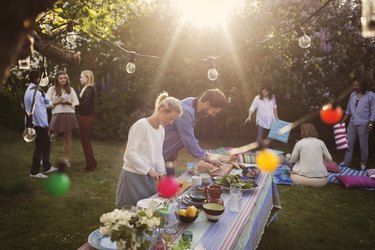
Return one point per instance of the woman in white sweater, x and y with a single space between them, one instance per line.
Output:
308 155
143 158
64 120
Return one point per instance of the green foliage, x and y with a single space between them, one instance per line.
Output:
303 79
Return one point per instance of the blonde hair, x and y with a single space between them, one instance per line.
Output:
168 103
308 130
90 76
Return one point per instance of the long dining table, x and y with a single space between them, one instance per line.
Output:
234 230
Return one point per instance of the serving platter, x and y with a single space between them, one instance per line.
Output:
216 179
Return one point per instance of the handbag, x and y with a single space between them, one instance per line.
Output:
341 140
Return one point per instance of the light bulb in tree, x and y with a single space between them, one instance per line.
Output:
44 80
212 73
71 37
24 63
368 18
130 67
304 41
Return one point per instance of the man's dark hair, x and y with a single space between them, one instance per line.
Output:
364 83
34 76
215 97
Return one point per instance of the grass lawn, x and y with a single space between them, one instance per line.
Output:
327 218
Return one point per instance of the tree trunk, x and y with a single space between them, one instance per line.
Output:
55 52
17 18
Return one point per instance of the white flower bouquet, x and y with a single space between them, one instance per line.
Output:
129 229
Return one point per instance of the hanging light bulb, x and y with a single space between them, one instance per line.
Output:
212 73
44 79
71 36
130 67
29 134
24 63
304 41
368 18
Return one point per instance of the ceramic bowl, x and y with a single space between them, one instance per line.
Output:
251 172
187 219
213 211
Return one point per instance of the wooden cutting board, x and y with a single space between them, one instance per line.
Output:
225 169
183 186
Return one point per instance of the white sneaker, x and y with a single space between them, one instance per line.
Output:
52 169
39 175
363 166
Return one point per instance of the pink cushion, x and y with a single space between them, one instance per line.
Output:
332 166
371 172
356 181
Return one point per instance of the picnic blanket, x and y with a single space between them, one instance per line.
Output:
281 176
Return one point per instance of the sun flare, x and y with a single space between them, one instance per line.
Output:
205 12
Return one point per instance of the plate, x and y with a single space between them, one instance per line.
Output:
145 203
100 241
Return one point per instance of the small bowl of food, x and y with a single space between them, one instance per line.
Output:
187 215
213 211
197 196
251 172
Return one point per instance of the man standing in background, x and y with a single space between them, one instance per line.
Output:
40 124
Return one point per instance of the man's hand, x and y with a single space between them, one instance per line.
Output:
153 174
369 128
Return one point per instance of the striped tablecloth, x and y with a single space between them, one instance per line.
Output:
241 230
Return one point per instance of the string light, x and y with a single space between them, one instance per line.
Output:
71 36
304 41
130 67
44 79
24 63
368 18
212 73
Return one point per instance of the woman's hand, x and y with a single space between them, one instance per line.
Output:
153 174
248 119
66 103
56 103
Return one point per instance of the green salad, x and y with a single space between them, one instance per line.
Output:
235 180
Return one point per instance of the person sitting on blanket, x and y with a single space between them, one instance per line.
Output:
181 134
308 155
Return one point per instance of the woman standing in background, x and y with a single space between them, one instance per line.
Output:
265 104
87 98
64 120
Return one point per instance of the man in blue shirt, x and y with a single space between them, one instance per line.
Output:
40 123
361 110
181 133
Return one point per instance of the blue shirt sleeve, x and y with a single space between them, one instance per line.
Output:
185 128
